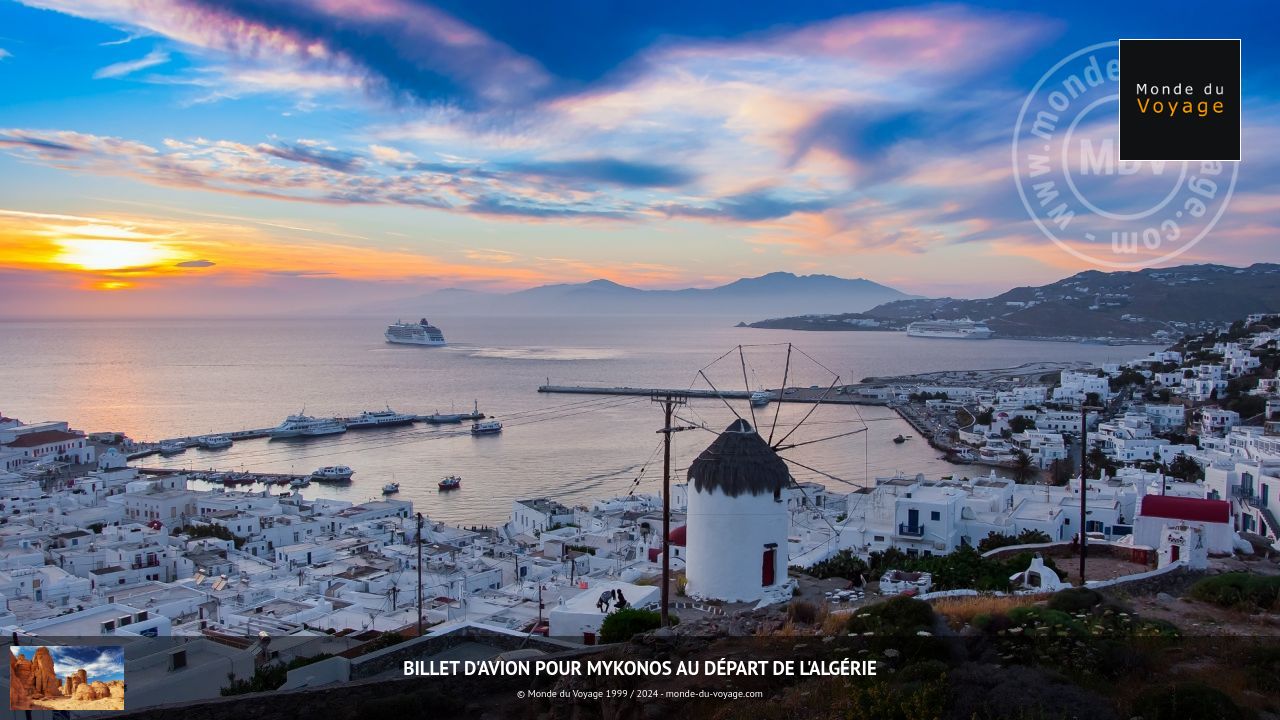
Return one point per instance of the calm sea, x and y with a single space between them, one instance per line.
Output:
157 379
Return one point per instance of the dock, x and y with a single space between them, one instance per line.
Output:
840 394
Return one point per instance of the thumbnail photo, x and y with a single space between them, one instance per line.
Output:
48 677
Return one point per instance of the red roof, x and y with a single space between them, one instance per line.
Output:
677 536
43 437
1182 508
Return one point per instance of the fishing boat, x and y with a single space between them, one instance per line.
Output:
299 482
438 418
171 447
453 482
486 427
333 473
391 488
761 397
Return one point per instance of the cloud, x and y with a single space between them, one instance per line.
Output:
128 67
309 151
5 54
196 264
608 170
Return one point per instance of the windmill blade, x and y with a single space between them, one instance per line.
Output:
780 448
746 384
721 395
820 472
786 369
811 411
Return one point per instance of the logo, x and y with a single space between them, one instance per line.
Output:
1107 211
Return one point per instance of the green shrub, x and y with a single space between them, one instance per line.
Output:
621 625
804 613
843 564
898 616
1186 701
995 540
1073 600
1239 590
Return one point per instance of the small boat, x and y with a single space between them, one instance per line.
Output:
299 482
391 488
215 442
899 440
171 448
437 418
333 473
486 427
453 482
761 397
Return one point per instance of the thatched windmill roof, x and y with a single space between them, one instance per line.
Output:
739 462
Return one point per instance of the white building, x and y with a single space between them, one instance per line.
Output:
737 522
1157 513
579 618
1215 421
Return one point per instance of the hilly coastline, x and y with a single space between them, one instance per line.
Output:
778 292
1150 305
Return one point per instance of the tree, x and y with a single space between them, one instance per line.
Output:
1023 467
621 625
1092 398
1059 472
1022 423
986 416
1185 468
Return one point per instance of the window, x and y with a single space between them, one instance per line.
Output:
935 515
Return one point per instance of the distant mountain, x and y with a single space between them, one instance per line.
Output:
1152 304
775 293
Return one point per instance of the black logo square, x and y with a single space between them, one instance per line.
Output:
1179 100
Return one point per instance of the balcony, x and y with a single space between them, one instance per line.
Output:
906 530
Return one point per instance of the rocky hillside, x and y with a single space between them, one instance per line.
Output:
1153 304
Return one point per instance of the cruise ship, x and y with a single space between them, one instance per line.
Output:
419 333
955 329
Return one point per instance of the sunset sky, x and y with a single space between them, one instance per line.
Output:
240 156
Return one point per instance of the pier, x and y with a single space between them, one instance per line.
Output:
840 394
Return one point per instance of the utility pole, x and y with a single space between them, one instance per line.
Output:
419 540
669 403
1084 479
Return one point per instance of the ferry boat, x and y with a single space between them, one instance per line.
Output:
761 397
333 473
215 442
391 488
379 418
486 427
330 426
419 333
453 482
955 329
301 425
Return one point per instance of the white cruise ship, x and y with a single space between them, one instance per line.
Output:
955 329
306 426
419 333
379 418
